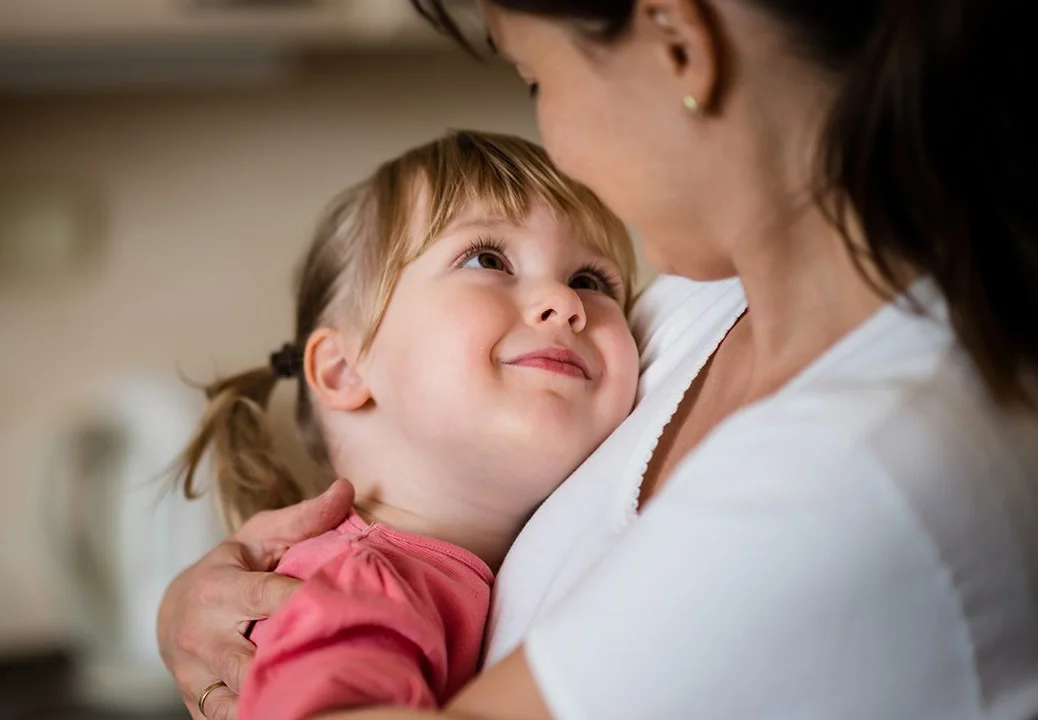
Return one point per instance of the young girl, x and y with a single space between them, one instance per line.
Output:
461 346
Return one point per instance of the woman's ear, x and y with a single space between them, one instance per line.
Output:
690 48
330 367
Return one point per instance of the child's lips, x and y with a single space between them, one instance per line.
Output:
558 360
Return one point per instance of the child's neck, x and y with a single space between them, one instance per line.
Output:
486 534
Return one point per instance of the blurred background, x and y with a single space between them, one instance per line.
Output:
162 163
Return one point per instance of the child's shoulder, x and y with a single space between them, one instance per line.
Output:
308 556
365 554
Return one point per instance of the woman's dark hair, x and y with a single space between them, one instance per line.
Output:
929 143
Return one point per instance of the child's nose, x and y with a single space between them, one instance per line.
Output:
560 305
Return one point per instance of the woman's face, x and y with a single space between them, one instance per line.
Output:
611 116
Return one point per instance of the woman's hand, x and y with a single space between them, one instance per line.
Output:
207 607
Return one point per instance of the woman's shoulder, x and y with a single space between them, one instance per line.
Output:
937 446
899 400
899 393
840 575
859 543
837 580
670 300
891 457
673 316
875 564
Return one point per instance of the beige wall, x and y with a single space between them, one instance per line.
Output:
209 197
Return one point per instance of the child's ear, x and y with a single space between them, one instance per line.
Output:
329 363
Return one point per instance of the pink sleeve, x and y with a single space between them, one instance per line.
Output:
355 634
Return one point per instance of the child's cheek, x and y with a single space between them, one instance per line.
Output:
474 323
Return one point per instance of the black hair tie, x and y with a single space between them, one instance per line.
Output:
286 362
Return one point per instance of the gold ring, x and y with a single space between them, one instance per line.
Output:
205 694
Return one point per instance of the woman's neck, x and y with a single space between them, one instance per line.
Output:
804 293
804 289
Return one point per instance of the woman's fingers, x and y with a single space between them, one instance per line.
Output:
269 534
253 595
231 664
235 585
198 619
258 595
220 704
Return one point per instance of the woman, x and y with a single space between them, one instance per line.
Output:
823 504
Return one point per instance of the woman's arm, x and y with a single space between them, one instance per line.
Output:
208 606
506 691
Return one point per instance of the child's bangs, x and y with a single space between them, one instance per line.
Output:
505 176
432 186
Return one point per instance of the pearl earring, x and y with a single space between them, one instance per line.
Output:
692 105
660 18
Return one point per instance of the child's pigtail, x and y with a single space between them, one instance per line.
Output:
236 435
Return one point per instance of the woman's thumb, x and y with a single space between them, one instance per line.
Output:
275 531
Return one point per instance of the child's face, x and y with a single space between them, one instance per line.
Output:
505 350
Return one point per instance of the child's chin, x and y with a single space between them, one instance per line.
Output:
550 415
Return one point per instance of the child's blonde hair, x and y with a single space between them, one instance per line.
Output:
362 245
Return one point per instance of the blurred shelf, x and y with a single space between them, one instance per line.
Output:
50 45
281 22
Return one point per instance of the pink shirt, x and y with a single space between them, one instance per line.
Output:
384 617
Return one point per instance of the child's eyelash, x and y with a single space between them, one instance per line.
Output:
481 244
608 279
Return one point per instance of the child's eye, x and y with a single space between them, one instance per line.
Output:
585 281
487 260
485 254
595 280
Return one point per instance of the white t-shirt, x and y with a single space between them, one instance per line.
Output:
859 545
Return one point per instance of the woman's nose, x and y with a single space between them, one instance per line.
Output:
559 305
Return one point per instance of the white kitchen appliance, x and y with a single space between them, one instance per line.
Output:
121 533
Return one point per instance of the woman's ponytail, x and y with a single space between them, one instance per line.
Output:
931 145
235 434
